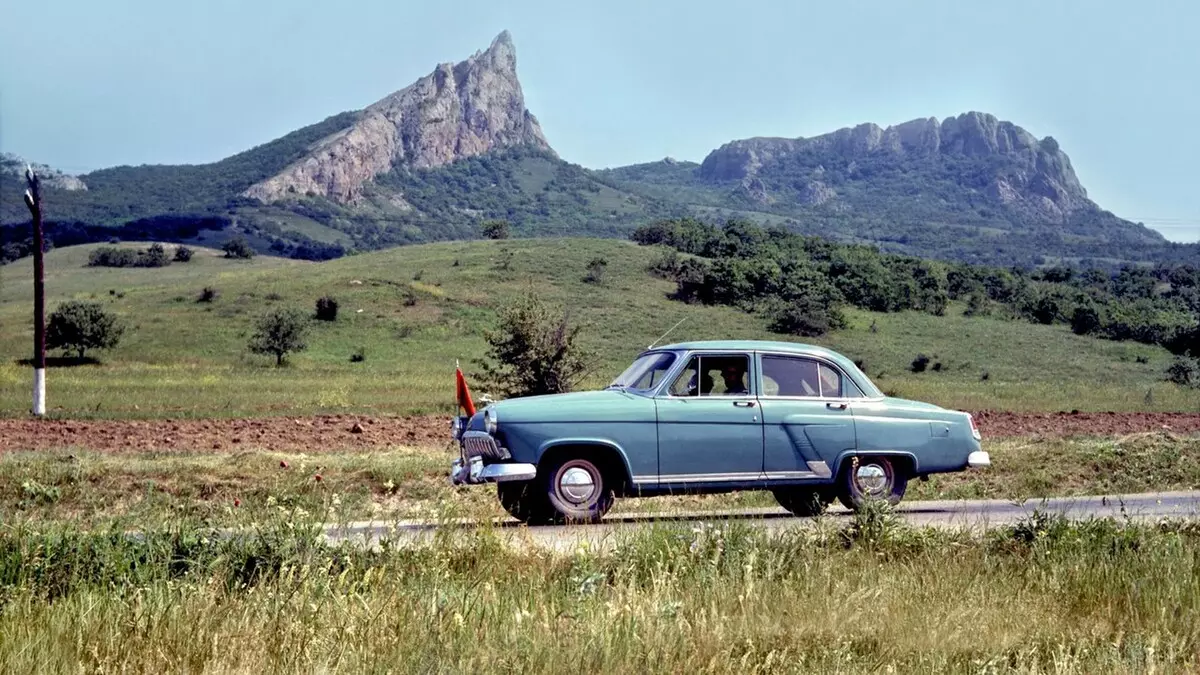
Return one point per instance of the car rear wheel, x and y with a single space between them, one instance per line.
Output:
803 502
870 479
577 490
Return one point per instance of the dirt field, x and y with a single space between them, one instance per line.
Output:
338 432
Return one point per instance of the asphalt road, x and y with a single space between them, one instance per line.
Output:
970 514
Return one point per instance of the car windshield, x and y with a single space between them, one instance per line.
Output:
645 372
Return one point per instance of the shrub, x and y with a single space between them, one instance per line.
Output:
666 265
207 294
1184 371
327 309
919 364
495 229
359 355
534 351
78 326
155 256
805 316
280 332
183 254
238 247
1085 320
595 270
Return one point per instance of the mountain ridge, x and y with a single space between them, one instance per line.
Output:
457 146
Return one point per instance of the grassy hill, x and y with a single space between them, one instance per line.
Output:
415 310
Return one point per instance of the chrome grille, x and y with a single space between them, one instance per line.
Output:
475 444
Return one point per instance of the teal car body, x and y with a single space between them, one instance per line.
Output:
799 420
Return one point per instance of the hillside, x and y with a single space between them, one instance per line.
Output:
420 308
434 159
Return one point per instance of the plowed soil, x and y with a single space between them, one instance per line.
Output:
350 432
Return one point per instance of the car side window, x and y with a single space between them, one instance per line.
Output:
790 376
713 375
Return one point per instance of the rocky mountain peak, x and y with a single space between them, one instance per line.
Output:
13 165
459 110
1035 177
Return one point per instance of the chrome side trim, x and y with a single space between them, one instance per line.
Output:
788 475
734 477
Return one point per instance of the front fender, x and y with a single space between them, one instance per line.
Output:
586 442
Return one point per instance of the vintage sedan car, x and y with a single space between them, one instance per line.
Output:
701 417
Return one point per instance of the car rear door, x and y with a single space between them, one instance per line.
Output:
807 420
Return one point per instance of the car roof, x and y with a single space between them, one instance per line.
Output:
750 345
759 345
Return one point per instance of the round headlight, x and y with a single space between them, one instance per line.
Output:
489 420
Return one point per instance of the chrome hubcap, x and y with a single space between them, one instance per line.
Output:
871 478
576 484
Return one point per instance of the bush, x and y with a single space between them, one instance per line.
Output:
327 309
495 229
280 332
595 270
806 316
183 254
112 256
359 355
78 326
238 247
919 364
208 294
1085 320
534 352
1184 371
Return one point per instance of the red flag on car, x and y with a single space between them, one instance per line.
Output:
462 392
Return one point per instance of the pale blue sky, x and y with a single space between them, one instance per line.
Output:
85 85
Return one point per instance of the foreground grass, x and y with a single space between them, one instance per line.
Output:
873 596
415 310
90 488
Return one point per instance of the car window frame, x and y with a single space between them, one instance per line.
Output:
686 356
820 360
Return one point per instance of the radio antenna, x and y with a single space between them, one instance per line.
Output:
666 333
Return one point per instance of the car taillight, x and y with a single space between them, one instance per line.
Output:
974 429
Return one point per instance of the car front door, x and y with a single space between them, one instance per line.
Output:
709 426
807 420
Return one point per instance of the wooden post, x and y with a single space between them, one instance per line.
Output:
33 199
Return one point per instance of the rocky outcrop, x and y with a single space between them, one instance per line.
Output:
1036 179
457 111
49 177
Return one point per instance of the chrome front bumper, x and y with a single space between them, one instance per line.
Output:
474 472
979 458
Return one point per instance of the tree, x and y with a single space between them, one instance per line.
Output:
79 326
535 352
495 229
280 332
183 254
238 247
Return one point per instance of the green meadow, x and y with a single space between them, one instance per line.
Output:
414 311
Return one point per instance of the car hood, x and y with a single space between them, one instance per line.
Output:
612 405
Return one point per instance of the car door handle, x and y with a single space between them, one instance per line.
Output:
836 406
744 404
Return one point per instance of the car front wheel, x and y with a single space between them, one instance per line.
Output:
870 479
577 490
